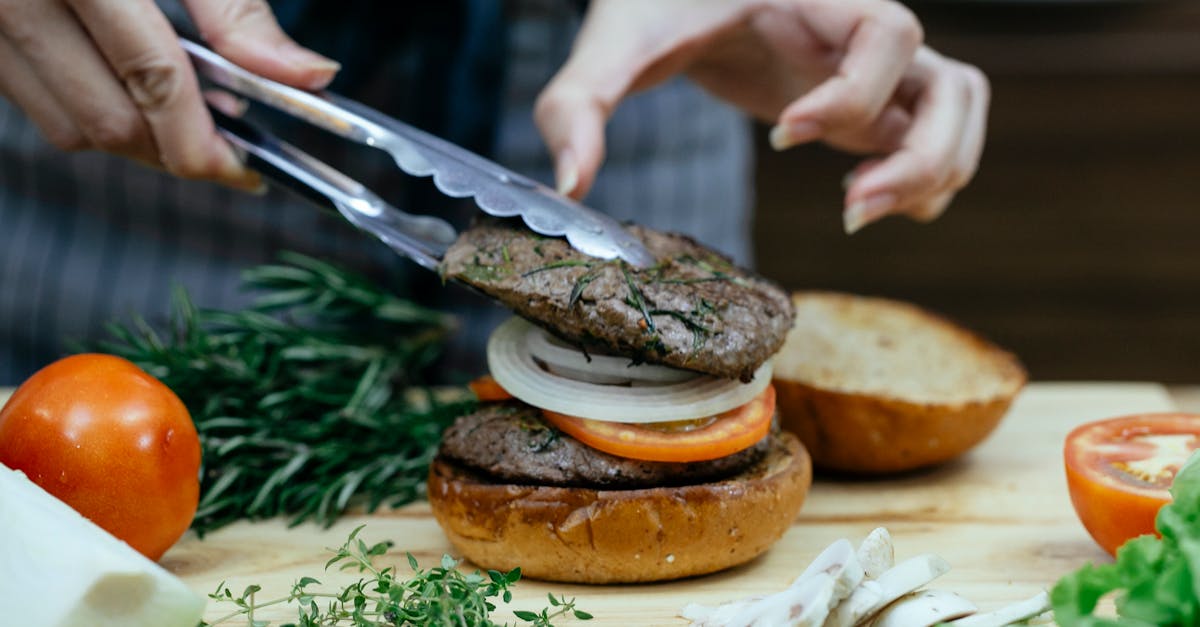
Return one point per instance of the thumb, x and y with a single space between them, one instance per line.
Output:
572 121
246 32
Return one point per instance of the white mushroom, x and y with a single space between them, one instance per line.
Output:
831 577
803 604
1017 612
872 596
839 561
876 554
923 609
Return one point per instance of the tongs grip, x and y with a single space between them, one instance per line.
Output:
421 238
456 171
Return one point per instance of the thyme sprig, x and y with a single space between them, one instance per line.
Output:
307 403
435 597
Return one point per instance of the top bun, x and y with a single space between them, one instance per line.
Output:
874 385
693 309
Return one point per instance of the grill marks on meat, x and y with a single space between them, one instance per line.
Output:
691 310
511 443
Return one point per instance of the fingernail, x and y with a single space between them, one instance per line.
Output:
866 211
848 180
226 102
784 136
566 172
255 185
236 175
324 67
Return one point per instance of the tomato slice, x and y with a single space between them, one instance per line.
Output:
487 390
681 441
1119 470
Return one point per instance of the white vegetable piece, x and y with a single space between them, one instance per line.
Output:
924 609
58 569
1015 613
830 577
876 553
803 604
872 596
839 561
516 370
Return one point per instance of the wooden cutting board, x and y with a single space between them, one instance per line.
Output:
1000 516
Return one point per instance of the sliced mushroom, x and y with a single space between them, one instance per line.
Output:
839 561
923 609
831 577
805 603
872 596
876 554
1017 612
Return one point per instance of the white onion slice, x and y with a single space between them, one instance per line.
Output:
514 368
572 363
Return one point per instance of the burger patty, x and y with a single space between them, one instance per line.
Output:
511 443
693 309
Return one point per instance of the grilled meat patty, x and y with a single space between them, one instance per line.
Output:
511 443
693 309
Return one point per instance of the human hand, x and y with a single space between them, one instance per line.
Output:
850 73
110 75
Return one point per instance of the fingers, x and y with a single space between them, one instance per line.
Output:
573 108
623 46
246 32
57 49
572 124
110 75
143 51
937 156
19 84
878 45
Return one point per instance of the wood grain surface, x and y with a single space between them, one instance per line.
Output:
1000 516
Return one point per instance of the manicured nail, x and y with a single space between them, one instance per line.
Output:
784 136
226 102
323 67
866 211
566 172
848 180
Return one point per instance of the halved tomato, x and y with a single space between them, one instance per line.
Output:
1119 470
680 441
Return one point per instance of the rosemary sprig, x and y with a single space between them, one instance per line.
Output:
437 597
638 300
561 263
310 401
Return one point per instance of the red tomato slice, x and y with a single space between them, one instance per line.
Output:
1119 470
680 441
486 389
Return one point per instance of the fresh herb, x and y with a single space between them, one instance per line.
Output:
580 284
561 263
638 300
1157 580
438 597
479 272
310 401
699 331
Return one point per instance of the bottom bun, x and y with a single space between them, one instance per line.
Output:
583 535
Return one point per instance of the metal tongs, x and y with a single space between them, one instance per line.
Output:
456 172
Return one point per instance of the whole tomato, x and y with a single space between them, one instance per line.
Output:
111 441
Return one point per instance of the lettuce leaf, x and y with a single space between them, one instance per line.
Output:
1157 581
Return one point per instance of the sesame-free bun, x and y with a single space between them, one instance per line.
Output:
585 535
874 386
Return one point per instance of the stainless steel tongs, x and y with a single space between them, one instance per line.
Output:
456 172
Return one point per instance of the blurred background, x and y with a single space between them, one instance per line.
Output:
1076 245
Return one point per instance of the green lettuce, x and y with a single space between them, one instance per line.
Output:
1157 581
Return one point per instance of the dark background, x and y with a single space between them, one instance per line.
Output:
1076 245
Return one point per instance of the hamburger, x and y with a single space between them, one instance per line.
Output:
626 433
